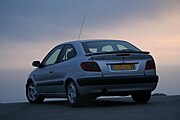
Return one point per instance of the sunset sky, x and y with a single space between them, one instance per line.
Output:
30 28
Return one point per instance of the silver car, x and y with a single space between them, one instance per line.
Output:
84 70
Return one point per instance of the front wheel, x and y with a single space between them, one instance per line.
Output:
32 95
141 97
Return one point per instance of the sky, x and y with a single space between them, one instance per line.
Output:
30 28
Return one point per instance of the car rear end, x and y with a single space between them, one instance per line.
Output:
124 69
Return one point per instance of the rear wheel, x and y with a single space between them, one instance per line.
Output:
141 97
32 95
73 96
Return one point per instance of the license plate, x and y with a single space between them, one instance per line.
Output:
123 67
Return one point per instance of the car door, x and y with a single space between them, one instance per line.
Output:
44 75
65 65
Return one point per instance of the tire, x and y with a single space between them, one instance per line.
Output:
141 97
32 95
73 96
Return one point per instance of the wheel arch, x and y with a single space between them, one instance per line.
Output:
67 82
29 81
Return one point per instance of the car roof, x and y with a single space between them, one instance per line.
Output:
90 40
93 40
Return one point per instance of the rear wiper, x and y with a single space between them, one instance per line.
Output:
120 51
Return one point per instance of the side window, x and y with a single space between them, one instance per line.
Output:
52 57
67 53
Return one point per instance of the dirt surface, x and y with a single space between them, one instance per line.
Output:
118 108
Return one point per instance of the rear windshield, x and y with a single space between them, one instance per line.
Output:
108 46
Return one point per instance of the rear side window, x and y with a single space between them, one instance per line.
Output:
108 46
67 53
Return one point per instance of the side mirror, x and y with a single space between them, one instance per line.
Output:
36 64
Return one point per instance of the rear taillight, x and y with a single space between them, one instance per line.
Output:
90 66
150 64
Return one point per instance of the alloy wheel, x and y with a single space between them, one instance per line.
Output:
32 93
72 93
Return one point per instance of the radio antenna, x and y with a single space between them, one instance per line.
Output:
82 25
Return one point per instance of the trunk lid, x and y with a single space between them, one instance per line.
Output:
122 64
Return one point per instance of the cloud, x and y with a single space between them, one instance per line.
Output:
24 20
29 29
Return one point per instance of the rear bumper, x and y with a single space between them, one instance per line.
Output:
116 80
116 85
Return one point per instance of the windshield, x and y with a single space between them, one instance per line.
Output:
108 46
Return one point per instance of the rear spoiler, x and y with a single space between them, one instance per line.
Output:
114 52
